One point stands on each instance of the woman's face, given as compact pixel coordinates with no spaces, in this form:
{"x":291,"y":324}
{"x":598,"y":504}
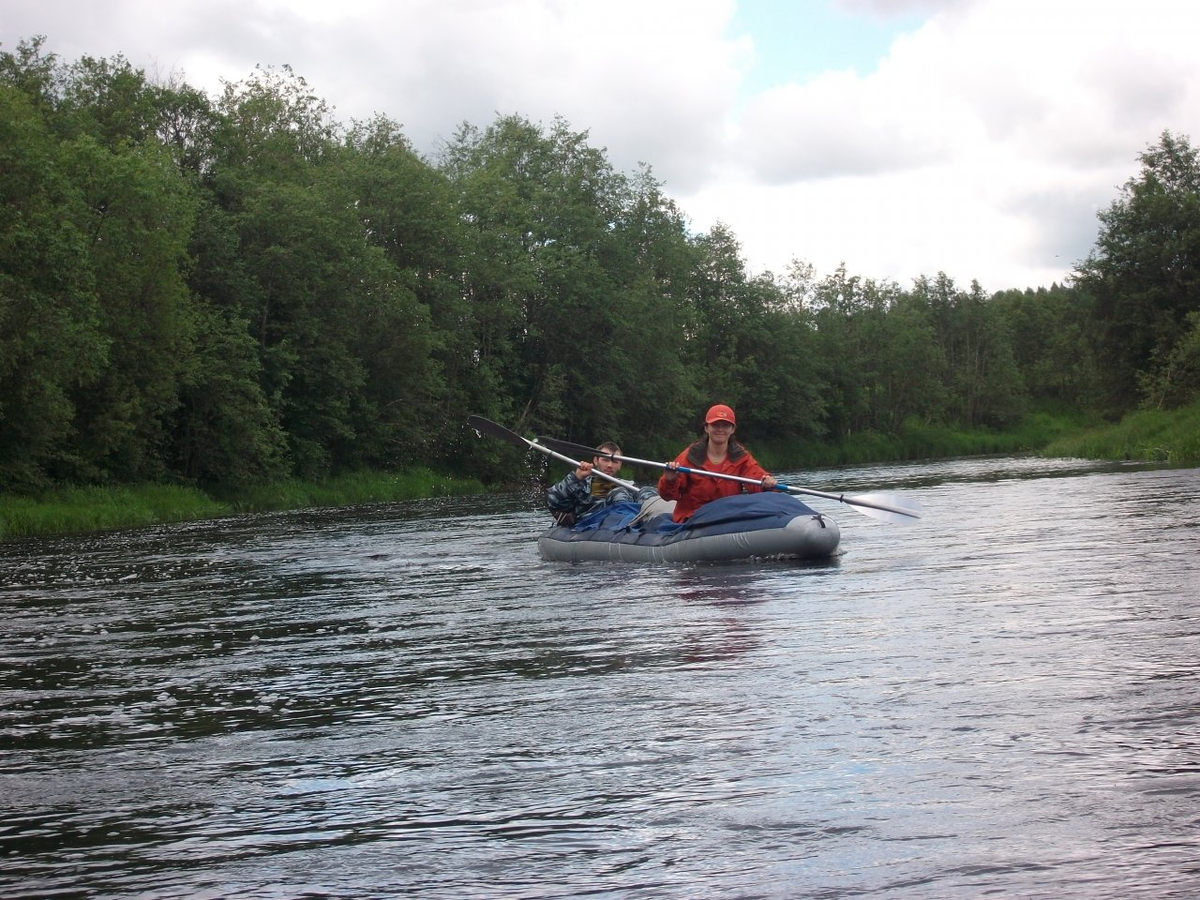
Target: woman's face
{"x":719,"y":430}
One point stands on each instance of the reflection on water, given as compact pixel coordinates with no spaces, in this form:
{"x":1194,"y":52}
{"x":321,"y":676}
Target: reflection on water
{"x":404,"y":699}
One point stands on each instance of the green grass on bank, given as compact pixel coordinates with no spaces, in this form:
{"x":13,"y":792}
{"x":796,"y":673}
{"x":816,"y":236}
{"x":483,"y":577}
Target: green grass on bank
{"x":920,"y":441}
{"x":82,"y":509}
{"x":85,"y":509}
{"x":1150,"y":435}
{"x":1166,"y":436}
{"x":356,"y":487}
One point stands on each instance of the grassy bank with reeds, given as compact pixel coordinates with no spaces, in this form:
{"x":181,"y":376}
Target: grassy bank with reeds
{"x":1167,"y":436}
{"x":78,"y":510}
{"x":1150,"y":435}
{"x":921,"y":441}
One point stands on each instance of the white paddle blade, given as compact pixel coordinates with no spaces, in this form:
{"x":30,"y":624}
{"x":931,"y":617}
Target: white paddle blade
{"x":887,"y":507}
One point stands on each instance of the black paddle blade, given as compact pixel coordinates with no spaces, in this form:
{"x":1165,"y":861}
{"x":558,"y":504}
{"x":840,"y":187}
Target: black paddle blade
{"x":488,"y":427}
{"x":574,"y":449}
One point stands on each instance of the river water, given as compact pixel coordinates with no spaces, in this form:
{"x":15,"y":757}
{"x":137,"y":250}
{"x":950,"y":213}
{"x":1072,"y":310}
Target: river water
{"x":403,"y":700}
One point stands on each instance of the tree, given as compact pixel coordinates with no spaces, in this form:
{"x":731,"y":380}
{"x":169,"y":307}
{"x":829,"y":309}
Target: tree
{"x":1175,"y":380}
{"x":1048,"y":328}
{"x":137,"y":216}
{"x":225,"y":433}
{"x":544,"y":263}
{"x":407,"y":209}
{"x":748,"y":347}
{"x":654,"y":394}
{"x":108,"y":100}
{"x":845,"y":350}
{"x":910,"y":368}
{"x":1144,"y":273}
{"x":123,"y":217}
{"x":982,"y":382}
{"x":302,"y":257}
{"x":51,"y":339}
{"x":36,"y":75}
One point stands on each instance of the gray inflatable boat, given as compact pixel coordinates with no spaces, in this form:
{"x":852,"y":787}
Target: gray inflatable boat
{"x":743,"y":527}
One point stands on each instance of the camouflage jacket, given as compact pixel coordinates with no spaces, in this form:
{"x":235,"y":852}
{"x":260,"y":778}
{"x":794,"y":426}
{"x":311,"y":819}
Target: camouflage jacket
{"x":573,"y":498}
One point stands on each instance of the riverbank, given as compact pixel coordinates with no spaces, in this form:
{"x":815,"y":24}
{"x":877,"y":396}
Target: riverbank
{"x":1150,"y":435}
{"x":919,"y":441}
{"x":1171,"y":437}
{"x":87,"y":509}
{"x":1165,"y":436}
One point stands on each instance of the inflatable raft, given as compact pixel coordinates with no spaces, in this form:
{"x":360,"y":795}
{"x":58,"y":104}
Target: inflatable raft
{"x":742,"y":527}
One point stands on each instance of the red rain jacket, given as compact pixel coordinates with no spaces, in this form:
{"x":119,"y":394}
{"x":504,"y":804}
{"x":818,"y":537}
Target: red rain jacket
{"x":690,"y":492}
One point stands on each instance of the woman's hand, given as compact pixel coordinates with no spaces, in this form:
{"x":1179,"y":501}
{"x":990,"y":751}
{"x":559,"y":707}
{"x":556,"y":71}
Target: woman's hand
{"x":672,"y":471}
{"x":769,"y":482}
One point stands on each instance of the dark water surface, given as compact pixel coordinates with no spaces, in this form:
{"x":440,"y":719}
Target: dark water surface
{"x":402,"y":700}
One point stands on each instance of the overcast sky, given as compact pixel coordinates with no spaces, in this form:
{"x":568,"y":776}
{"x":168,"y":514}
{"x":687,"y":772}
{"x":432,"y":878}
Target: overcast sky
{"x":902,"y":137}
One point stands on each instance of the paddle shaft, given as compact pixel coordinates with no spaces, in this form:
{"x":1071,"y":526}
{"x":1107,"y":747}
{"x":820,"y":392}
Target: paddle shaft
{"x":780,"y":486}
{"x":486,"y":426}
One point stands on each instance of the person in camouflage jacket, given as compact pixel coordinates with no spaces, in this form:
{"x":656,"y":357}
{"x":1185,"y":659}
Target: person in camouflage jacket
{"x":582,"y":492}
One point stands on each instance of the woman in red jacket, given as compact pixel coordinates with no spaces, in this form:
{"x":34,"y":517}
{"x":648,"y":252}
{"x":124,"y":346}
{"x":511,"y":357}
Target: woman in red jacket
{"x":717,"y":451}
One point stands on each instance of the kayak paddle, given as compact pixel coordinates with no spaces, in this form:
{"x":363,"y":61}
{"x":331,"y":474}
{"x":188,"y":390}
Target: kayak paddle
{"x":885,"y":507}
{"x":486,"y":426}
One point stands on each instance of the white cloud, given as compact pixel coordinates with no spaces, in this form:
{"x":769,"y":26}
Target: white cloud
{"x":838,"y":124}
{"x":981,"y":144}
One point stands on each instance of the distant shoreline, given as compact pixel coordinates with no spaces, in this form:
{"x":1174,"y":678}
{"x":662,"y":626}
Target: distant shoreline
{"x":91,"y":509}
{"x":1170,"y":437}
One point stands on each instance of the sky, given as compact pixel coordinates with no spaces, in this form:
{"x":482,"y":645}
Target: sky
{"x":900,"y":138}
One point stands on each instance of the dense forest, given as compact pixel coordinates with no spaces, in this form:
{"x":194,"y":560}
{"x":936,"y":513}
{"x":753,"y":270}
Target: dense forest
{"x":223,"y":291}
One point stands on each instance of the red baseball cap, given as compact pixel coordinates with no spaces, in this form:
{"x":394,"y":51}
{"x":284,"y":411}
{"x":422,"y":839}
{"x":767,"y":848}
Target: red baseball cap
{"x":720,"y":413}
